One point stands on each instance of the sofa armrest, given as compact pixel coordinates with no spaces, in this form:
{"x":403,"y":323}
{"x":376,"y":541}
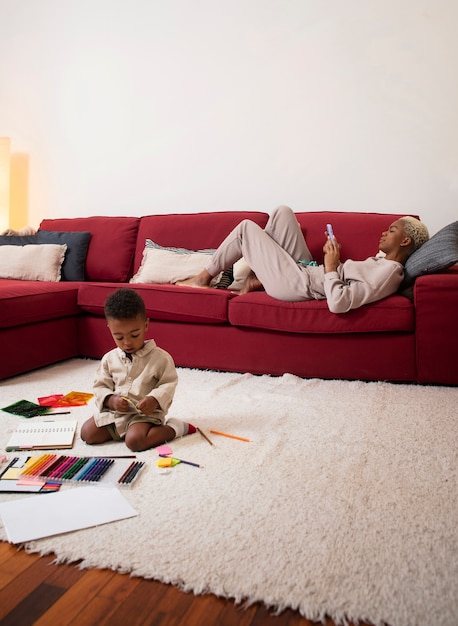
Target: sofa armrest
{"x":436,"y":309}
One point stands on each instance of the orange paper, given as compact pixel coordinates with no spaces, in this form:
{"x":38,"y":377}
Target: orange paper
{"x":75,"y":398}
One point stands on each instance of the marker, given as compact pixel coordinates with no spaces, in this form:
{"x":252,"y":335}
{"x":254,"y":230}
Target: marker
{"x":180,"y":460}
{"x":217,"y":432}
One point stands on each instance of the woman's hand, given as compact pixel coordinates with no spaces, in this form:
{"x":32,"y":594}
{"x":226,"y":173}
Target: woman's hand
{"x":331,"y":250}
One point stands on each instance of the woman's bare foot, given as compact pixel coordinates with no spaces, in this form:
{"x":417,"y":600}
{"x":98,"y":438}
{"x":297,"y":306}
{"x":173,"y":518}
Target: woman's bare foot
{"x":251,"y":283}
{"x":200,"y":280}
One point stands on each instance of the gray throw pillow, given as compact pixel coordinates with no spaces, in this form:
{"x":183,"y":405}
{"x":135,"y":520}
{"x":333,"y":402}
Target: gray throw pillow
{"x":437,"y":254}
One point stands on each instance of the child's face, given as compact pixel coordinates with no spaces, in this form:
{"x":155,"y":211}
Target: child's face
{"x":129,"y":334}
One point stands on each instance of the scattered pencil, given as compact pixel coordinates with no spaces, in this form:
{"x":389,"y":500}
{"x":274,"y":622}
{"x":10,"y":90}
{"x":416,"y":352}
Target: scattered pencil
{"x":166,"y":456}
{"x":116,"y":456}
{"x":205,"y":437}
{"x":217,"y":432}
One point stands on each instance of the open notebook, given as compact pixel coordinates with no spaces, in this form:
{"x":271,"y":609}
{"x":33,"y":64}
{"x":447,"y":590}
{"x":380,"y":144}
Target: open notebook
{"x":46,"y":435}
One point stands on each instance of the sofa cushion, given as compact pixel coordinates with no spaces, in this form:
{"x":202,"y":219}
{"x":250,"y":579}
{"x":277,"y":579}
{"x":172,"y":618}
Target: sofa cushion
{"x":32,"y":262}
{"x":26,"y":302}
{"x":358,"y":234}
{"x":111,"y":248}
{"x":435,"y":255}
{"x":169,"y":265}
{"x":194,"y":231}
{"x":164,"y":302}
{"x":258,"y":310}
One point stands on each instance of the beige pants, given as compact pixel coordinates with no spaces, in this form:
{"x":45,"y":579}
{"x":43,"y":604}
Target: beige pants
{"x":180,"y":427}
{"x":272,"y":253}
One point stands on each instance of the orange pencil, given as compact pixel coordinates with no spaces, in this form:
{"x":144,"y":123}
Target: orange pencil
{"x":217,"y":432}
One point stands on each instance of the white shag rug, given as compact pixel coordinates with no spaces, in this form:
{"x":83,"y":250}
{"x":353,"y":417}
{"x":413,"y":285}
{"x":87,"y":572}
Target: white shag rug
{"x":343,"y":504}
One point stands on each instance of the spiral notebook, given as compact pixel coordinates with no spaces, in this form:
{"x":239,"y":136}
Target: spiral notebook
{"x":46,"y":435}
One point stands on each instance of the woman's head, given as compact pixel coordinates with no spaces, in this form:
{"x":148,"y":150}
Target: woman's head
{"x":402,"y":238}
{"x":416,"y":231}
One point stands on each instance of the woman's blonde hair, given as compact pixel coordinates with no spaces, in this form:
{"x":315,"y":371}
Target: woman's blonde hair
{"x":416,"y":230}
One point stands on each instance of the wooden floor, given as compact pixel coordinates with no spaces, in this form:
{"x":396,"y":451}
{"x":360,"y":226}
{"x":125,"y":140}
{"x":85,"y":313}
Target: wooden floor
{"x":33,"y":590}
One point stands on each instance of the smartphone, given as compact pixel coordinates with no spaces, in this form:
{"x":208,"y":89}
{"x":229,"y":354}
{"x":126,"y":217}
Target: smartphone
{"x":330,"y":232}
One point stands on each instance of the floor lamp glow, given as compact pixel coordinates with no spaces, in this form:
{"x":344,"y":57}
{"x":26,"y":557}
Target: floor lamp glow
{"x":5,"y":164}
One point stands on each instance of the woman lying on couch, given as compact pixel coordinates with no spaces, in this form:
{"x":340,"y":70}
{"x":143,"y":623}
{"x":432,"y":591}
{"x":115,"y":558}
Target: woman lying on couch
{"x":281,"y":263}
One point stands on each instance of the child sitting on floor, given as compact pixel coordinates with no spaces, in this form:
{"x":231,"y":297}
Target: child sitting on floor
{"x":135,"y":382}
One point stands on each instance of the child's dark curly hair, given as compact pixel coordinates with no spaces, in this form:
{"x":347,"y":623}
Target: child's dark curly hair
{"x":124,"y":304}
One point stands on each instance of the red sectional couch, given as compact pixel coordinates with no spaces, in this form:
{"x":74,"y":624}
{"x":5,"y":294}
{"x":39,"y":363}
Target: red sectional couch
{"x":396,"y":339}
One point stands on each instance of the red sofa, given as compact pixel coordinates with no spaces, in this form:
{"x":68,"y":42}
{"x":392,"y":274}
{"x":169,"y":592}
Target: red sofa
{"x":395,"y":339}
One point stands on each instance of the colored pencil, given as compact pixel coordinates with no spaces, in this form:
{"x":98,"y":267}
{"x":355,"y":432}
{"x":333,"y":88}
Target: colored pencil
{"x":131,"y":472}
{"x":116,"y":456}
{"x":124,"y":476}
{"x":217,"y":432}
{"x":181,"y":460}
{"x":205,"y":437}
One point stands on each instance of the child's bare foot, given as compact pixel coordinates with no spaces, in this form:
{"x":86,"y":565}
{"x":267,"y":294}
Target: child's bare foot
{"x":251,"y":283}
{"x":200,"y":280}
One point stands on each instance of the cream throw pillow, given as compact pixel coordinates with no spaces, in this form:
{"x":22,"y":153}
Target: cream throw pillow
{"x":168,"y":265}
{"x":32,"y":262}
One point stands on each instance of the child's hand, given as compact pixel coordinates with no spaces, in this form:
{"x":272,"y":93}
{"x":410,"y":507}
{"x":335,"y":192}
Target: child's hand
{"x":148,"y":405}
{"x":118,"y":403}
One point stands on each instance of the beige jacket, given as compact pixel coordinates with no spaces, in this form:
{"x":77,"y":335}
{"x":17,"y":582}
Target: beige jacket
{"x":150,"y":373}
{"x":360,"y":282}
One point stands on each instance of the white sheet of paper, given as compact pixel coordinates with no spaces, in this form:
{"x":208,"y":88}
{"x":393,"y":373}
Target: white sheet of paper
{"x":61,"y":512}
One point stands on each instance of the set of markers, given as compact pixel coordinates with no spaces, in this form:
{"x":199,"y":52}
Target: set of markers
{"x":83,"y":469}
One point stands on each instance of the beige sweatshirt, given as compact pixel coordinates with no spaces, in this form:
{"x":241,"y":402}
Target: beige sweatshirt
{"x":356,"y":283}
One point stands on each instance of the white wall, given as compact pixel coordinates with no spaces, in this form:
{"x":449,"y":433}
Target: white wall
{"x":150,"y":106}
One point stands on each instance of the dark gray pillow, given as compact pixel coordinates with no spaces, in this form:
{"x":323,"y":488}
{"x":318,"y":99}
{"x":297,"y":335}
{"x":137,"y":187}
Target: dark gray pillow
{"x":437,"y":254}
{"x":19,"y":240}
{"x":73,"y":267}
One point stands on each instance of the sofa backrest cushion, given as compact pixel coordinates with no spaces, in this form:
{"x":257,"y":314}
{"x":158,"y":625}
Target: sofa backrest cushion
{"x":111,"y":247}
{"x":194,"y":231}
{"x":358,"y":233}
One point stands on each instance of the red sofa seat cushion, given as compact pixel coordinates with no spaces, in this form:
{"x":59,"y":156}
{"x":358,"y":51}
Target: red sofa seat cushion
{"x":111,"y":247}
{"x":258,"y":310}
{"x":164,"y":302}
{"x":358,"y":234}
{"x":194,"y":231}
{"x":29,"y":301}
